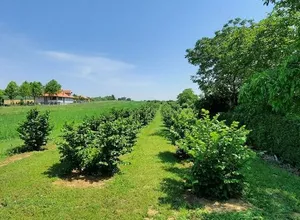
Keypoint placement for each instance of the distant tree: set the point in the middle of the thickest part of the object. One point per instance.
(122, 99)
(113, 97)
(187, 98)
(36, 89)
(25, 90)
(1, 96)
(52, 87)
(128, 99)
(12, 90)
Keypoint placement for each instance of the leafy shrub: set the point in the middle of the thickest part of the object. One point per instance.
(182, 121)
(94, 146)
(218, 154)
(168, 112)
(35, 130)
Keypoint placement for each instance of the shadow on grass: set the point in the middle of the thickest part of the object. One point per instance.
(168, 157)
(20, 149)
(176, 193)
(66, 175)
(162, 132)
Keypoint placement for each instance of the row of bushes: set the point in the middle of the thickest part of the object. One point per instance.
(217, 151)
(93, 146)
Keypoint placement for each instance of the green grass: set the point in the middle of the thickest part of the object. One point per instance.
(152, 179)
(11, 116)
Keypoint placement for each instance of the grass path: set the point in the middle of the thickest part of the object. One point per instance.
(150, 186)
(27, 190)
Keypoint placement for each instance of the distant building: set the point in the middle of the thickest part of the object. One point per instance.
(62, 98)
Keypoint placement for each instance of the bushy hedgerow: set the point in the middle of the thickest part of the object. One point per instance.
(274, 133)
(35, 130)
(95, 146)
(219, 155)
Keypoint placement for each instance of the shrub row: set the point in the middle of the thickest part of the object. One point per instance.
(217, 151)
(95, 145)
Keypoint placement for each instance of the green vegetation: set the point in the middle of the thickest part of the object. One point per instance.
(35, 130)
(150, 185)
(95, 146)
(12, 90)
(11, 116)
(52, 87)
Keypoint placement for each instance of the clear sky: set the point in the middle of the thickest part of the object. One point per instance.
(133, 48)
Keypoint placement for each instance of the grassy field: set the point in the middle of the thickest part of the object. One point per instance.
(150, 186)
(10, 117)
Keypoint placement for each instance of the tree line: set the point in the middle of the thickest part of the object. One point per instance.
(110, 98)
(29, 89)
(242, 48)
(249, 72)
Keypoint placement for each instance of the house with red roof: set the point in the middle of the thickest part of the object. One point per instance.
(61, 98)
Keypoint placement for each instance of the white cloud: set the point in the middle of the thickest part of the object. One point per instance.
(90, 74)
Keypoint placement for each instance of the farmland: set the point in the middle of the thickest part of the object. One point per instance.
(10, 117)
(150, 185)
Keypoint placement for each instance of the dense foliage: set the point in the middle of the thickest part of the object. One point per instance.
(216, 150)
(11, 90)
(187, 98)
(219, 155)
(95, 146)
(35, 130)
(243, 48)
(52, 87)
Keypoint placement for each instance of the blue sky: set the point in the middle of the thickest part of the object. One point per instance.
(128, 48)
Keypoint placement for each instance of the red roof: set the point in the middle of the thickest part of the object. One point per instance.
(62, 93)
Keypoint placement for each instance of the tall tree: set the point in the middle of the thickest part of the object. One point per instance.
(36, 89)
(223, 60)
(52, 87)
(187, 98)
(25, 90)
(12, 90)
(1, 96)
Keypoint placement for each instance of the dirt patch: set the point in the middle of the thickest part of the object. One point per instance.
(77, 180)
(152, 212)
(232, 205)
(15, 158)
(295, 215)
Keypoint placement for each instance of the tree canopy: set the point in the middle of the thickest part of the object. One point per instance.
(52, 87)
(12, 90)
(241, 49)
(25, 90)
(36, 89)
(187, 98)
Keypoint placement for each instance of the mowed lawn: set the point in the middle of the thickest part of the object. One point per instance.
(149, 186)
(11, 116)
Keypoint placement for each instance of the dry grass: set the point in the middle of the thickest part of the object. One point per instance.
(15, 158)
(77, 180)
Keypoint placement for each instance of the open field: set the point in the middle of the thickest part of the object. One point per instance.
(10, 117)
(150, 186)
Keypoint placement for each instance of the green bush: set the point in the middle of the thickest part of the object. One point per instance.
(35, 130)
(219, 155)
(182, 121)
(95, 146)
